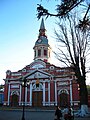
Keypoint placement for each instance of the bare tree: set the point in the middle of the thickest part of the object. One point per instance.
(74, 38)
(64, 9)
(73, 49)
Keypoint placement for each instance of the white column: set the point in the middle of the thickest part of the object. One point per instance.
(49, 93)
(36, 53)
(30, 94)
(43, 93)
(71, 93)
(55, 93)
(42, 51)
(20, 96)
(26, 95)
(8, 94)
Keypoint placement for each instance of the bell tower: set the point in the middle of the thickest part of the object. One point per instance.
(42, 49)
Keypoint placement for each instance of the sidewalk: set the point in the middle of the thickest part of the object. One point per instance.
(82, 118)
(79, 118)
(41, 110)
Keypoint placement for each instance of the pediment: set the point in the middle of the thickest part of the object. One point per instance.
(38, 74)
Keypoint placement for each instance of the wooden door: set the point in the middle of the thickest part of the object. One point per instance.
(14, 101)
(63, 99)
(37, 98)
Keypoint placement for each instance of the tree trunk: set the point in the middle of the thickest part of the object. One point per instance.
(83, 91)
(83, 97)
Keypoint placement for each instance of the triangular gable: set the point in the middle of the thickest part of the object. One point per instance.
(37, 74)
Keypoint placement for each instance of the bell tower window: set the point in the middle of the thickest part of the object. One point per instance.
(35, 53)
(39, 52)
(45, 52)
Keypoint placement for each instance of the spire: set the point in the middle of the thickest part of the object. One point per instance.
(42, 48)
(42, 27)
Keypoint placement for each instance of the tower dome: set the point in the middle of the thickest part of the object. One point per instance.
(42, 48)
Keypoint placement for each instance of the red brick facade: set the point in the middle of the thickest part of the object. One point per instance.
(56, 85)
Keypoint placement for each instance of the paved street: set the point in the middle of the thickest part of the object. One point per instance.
(30, 115)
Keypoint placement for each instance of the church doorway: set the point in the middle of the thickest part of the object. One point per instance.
(63, 95)
(37, 98)
(14, 100)
(63, 99)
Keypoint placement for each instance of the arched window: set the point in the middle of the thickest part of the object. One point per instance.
(35, 53)
(39, 52)
(45, 52)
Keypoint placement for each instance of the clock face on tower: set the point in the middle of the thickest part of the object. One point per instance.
(39, 40)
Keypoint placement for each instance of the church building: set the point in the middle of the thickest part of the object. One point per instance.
(41, 83)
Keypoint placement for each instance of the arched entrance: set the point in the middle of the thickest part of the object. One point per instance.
(14, 101)
(63, 95)
(14, 98)
(37, 95)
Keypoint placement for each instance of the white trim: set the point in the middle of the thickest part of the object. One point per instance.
(30, 94)
(20, 95)
(71, 99)
(44, 93)
(26, 94)
(55, 93)
(60, 91)
(8, 94)
(49, 93)
(15, 92)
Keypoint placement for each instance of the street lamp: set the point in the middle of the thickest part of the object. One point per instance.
(24, 84)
